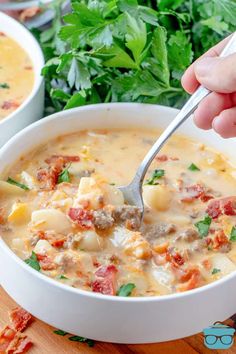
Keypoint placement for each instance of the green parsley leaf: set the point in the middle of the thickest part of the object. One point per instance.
(64, 176)
(203, 226)
(233, 234)
(32, 261)
(157, 174)
(59, 332)
(126, 289)
(136, 36)
(127, 50)
(61, 276)
(215, 270)
(90, 342)
(4, 85)
(18, 184)
(180, 52)
(193, 167)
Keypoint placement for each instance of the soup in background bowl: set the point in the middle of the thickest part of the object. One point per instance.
(16, 75)
(68, 211)
(21, 83)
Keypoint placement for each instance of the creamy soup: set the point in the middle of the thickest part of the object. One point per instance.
(61, 212)
(16, 75)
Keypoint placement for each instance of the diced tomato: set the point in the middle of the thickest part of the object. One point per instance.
(49, 176)
(58, 243)
(213, 209)
(19, 345)
(207, 264)
(104, 282)
(220, 239)
(56, 240)
(191, 280)
(9, 105)
(174, 258)
(6, 336)
(164, 158)
(84, 218)
(66, 159)
(195, 191)
(105, 271)
(45, 262)
(223, 206)
(161, 158)
(20, 318)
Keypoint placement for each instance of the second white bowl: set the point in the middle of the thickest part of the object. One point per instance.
(32, 108)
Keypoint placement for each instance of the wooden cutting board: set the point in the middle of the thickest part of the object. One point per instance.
(45, 341)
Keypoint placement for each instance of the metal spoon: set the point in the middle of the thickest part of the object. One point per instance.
(133, 192)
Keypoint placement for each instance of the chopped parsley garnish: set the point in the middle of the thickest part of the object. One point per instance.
(126, 289)
(59, 332)
(157, 174)
(18, 184)
(203, 226)
(233, 234)
(4, 85)
(62, 333)
(61, 276)
(215, 270)
(193, 167)
(90, 342)
(32, 261)
(64, 176)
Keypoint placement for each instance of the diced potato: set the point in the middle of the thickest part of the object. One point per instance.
(113, 195)
(137, 246)
(86, 261)
(91, 241)
(137, 277)
(42, 247)
(163, 280)
(157, 197)
(29, 180)
(10, 189)
(89, 192)
(223, 263)
(20, 213)
(50, 219)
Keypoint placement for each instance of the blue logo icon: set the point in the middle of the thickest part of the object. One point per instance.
(219, 336)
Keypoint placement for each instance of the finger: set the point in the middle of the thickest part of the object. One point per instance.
(217, 74)
(211, 107)
(189, 80)
(225, 123)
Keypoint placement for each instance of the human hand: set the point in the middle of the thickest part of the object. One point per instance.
(218, 109)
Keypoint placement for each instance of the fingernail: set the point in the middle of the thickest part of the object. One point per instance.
(203, 66)
(215, 123)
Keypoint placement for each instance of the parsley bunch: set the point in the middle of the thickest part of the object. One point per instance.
(128, 50)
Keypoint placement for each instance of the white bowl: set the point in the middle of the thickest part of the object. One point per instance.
(32, 108)
(96, 316)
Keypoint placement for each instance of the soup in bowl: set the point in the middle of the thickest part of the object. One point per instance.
(64, 216)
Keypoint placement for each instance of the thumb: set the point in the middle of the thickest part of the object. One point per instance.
(217, 74)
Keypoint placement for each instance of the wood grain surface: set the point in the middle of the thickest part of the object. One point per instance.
(46, 342)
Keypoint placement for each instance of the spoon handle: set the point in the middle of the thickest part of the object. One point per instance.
(189, 107)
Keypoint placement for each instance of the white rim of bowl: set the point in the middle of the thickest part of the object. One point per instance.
(38, 79)
(159, 298)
